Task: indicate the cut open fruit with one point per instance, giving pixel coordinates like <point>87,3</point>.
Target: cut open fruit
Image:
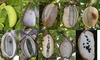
<point>86,45</point>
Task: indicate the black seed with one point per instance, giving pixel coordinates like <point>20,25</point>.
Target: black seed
<point>88,48</point>
<point>83,43</point>
<point>87,43</point>
<point>86,36</point>
<point>87,39</point>
<point>83,46</point>
<point>48,37</point>
<point>48,47</point>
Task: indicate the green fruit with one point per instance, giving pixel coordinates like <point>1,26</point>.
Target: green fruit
<point>11,15</point>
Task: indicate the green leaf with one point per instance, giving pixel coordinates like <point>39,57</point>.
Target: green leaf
<point>25,0</point>
<point>14,2</point>
<point>2,20</point>
<point>17,27</point>
<point>1,26</point>
<point>3,13</point>
<point>7,27</point>
<point>33,58</point>
<point>17,9</point>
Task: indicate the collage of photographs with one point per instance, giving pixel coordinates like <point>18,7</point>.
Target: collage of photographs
<point>49,29</point>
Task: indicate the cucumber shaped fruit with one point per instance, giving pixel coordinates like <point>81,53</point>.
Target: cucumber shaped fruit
<point>11,15</point>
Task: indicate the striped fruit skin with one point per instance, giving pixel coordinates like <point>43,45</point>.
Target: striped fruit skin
<point>70,16</point>
<point>49,15</point>
<point>12,16</point>
<point>90,16</point>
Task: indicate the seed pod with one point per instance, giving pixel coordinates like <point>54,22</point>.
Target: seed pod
<point>90,16</point>
<point>49,15</point>
<point>47,46</point>
<point>86,45</point>
<point>8,45</point>
<point>70,16</point>
<point>29,18</point>
<point>28,46</point>
<point>66,49</point>
<point>11,15</point>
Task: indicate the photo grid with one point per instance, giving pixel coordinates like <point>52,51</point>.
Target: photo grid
<point>49,29</point>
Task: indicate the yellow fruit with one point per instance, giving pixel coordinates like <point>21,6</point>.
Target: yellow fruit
<point>11,15</point>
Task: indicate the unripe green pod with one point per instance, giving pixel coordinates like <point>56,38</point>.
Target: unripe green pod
<point>11,15</point>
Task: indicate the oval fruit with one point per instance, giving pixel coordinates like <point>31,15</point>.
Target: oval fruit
<point>29,18</point>
<point>90,16</point>
<point>8,45</point>
<point>11,15</point>
<point>47,46</point>
<point>70,16</point>
<point>86,45</point>
<point>66,48</point>
<point>28,46</point>
<point>49,15</point>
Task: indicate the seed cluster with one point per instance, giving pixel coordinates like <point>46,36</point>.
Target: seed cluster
<point>86,45</point>
<point>29,46</point>
<point>48,46</point>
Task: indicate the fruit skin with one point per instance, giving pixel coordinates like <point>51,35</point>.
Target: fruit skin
<point>29,18</point>
<point>90,16</point>
<point>66,48</point>
<point>11,15</point>
<point>12,35</point>
<point>49,15</point>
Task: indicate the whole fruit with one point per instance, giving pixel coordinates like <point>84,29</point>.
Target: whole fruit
<point>29,18</point>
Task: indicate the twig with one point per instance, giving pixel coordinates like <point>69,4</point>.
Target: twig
<point>62,32</point>
<point>25,6</point>
<point>88,3</point>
